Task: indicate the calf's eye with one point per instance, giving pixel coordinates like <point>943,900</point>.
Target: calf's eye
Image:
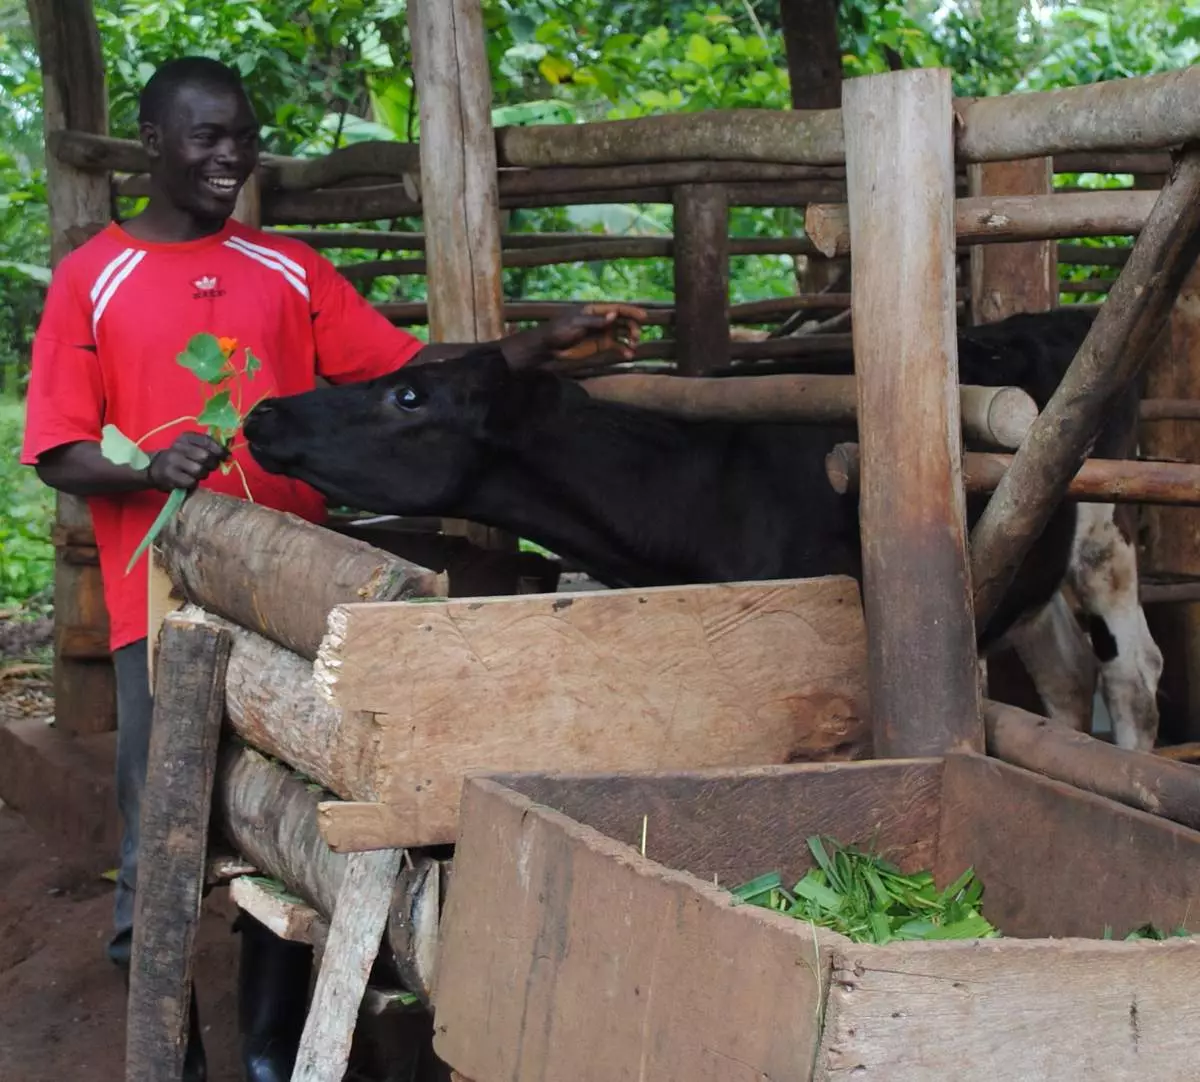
<point>406,397</point>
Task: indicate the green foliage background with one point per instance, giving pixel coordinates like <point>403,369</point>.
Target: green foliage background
<point>323,73</point>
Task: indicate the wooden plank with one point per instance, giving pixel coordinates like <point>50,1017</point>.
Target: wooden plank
<point>1011,1011</point>
<point>1148,782</point>
<point>284,914</point>
<point>916,584</point>
<point>1007,219</point>
<point>701,267</point>
<point>277,574</point>
<point>354,936</point>
<point>1057,861</point>
<point>697,821</point>
<point>162,599</point>
<point>697,676</point>
<point>1010,278</point>
<point>459,198</point>
<point>1171,546</point>
<point>350,826</point>
<point>1115,349</point>
<point>188,709</point>
<point>567,955</point>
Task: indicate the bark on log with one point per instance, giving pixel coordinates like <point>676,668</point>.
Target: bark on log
<point>924,686</point>
<point>1151,112</point>
<point>277,574</point>
<point>701,269</point>
<point>1115,349</point>
<point>1004,219</point>
<point>269,814</point>
<point>997,415</point>
<point>188,707</point>
<point>460,202</point>
<point>812,137</point>
<point>374,158</point>
<point>1098,480</point>
<point>1153,784</point>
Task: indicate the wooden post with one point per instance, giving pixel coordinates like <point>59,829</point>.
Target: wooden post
<point>900,180</point>
<point>1172,535</point>
<point>1007,279</point>
<point>460,201</point>
<point>459,198</point>
<point>74,96</point>
<point>355,932</point>
<point>1112,354</point>
<point>1011,278</point>
<point>189,705</point>
<point>701,277</point>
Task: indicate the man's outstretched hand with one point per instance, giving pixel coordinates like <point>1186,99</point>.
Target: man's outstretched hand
<point>592,330</point>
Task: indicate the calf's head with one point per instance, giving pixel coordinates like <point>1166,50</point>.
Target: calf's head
<point>407,443</point>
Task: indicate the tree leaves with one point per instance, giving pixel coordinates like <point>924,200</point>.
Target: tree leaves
<point>220,413</point>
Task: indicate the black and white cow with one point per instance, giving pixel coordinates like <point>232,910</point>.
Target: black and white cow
<point>640,498</point>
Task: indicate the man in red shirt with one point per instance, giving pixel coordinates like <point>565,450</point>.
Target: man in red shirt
<point>119,310</point>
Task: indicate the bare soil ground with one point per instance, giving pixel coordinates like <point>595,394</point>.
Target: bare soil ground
<point>62,1002</point>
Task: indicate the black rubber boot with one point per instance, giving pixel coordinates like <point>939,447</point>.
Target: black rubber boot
<point>195,1066</point>
<point>273,979</point>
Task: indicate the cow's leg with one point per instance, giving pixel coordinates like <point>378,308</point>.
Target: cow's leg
<point>1104,575</point>
<point>1059,660</point>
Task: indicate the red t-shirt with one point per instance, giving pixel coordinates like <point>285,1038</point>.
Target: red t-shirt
<point>119,311</point>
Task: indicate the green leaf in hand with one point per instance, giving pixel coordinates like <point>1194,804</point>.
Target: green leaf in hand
<point>203,356</point>
<point>120,449</point>
<point>253,364</point>
<point>219,412</point>
<point>174,502</point>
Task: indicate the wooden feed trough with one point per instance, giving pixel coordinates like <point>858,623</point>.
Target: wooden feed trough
<point>566,954</point>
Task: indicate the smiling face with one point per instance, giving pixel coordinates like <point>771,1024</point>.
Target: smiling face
<point>203,151</point>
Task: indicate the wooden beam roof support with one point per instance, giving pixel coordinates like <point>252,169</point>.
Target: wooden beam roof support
<point>1113,353</point>
<point>74,97</point>
<point>924,687</point>
<point>459,197</point>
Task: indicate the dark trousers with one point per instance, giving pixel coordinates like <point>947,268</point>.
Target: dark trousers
<point>135,712</point>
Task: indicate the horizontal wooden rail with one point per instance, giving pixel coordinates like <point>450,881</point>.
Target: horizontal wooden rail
<point>998,415</point>
<point>1008,218</point>
<point>1170,409</point>
<point>1149,782</point>
<point>375,159</point>
<point>1099,480</point>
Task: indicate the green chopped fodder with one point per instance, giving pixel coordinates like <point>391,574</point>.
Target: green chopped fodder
<point>869,900</point>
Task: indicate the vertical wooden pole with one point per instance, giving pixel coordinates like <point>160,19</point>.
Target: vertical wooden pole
<point>701,277</point>
<point>1172,534</point>
<point>1007,279</point>
<point>74,96</point>
<point>189,706</point>
<point>1011,278</point>
<point>459,198</point>
<point>916,581</point>
<point>460,201</point>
